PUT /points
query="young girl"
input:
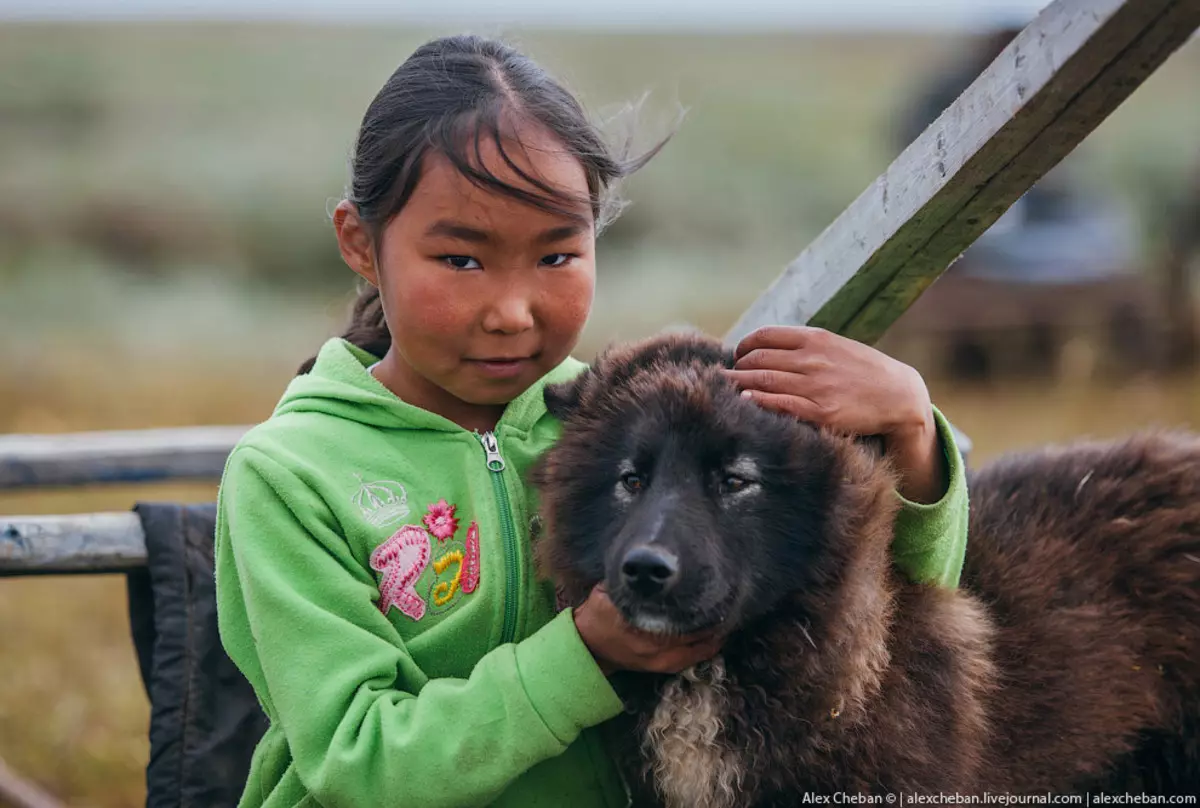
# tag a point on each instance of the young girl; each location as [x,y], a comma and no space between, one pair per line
[373,555]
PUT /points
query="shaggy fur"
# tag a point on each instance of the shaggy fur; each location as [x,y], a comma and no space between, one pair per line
[1068,660]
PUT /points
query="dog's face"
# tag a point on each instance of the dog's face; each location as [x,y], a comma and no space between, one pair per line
[695,506]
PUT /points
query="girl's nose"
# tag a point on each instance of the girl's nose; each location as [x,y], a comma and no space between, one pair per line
[509,313]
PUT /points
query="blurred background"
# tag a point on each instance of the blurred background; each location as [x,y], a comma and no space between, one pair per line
[166,256]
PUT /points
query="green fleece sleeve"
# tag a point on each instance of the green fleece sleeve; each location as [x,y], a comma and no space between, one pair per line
[364,725]
[931,540]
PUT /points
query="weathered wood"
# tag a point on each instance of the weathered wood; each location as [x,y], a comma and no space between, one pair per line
[20,793]
[90,542]
[1054,83]
[115,457]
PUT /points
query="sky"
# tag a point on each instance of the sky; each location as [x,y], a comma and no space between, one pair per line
[608,14]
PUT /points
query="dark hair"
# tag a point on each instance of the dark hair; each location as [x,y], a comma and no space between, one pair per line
[448,96]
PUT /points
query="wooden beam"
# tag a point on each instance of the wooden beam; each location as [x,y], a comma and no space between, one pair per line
[1054,83]
[21,793]
[116,457]
[89,542]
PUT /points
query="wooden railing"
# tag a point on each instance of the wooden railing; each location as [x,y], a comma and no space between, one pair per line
[97,542]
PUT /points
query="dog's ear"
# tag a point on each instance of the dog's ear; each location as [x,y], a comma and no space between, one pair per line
[563,399]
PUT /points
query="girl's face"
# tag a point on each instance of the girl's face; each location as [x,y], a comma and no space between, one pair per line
[483,294]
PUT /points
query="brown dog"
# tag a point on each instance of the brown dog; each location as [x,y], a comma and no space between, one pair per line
[1068,660]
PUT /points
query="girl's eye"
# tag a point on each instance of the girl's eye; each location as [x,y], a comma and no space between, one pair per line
[461,261]
[556,259]
[633,482]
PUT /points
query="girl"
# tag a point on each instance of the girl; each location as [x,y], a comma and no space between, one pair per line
[373,548]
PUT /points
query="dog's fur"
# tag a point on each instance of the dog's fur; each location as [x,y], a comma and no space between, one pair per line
[1069,658]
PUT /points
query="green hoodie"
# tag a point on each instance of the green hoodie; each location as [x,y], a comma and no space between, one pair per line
[375,585]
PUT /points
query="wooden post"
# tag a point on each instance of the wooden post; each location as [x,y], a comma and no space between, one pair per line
[1053,84]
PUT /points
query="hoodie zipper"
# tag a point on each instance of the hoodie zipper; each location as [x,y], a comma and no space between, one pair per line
[495,464]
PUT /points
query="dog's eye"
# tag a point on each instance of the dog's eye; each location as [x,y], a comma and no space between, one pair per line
[633,482]
[732,484]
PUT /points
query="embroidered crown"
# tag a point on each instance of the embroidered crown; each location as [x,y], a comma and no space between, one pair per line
[382,502]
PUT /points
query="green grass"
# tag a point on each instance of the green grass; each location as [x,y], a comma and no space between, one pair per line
[168,184]
[224,144]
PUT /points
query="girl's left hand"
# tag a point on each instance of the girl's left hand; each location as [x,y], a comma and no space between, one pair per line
[832,381]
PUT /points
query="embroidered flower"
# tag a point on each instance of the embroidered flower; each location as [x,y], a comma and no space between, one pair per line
[470,573]
[402,558]
[440,520]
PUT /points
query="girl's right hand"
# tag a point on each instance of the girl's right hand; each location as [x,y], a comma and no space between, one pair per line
[618,646]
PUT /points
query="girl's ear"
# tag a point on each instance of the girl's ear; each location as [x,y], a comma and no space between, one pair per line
[563,399]
[354,241]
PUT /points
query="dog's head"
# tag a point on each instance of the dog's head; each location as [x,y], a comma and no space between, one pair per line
[695,506]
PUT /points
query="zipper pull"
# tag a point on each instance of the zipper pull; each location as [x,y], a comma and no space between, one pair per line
[492,447]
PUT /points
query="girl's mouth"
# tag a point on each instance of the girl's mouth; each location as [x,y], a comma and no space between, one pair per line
[503,367]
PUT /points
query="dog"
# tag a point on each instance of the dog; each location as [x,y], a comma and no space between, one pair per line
[1068,660]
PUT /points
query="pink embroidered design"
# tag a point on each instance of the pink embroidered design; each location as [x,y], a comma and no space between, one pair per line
[402,559]
[440,520]
[470,572]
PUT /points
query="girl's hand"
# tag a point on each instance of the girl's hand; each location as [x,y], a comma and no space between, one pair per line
[618,646]
[833,381]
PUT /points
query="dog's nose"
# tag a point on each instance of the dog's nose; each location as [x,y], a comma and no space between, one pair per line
[649,571]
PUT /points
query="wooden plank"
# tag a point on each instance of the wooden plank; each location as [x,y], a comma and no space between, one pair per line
[116,457]
[21,793]
[89,542]
[1054,84]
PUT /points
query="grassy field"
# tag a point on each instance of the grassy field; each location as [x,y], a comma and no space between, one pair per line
[171,148]
[165,259]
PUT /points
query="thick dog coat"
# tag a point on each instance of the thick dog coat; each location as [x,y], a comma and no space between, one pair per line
[1068,660]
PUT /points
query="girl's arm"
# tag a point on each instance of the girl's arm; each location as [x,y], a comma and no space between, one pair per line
[364,724]
[833,381]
